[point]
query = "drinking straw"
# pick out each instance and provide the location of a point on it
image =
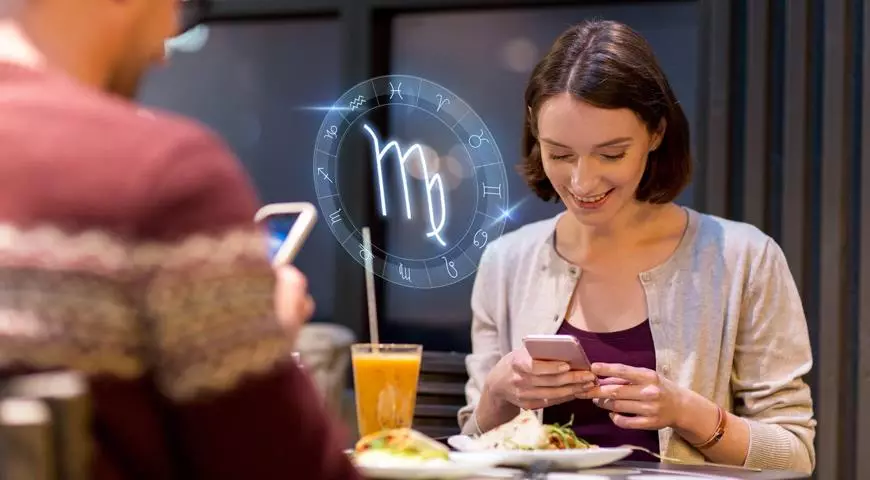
(370, 288)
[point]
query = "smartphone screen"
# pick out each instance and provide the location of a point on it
(287, 226)
(278, 227)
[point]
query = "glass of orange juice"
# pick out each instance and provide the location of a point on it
(385, 382)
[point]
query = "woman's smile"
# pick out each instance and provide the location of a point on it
(590, 202)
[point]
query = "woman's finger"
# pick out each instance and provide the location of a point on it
(546, 367)
(625, 406)
(613, 381)
(540, 393)
(632, 374)
(562, 379)
(545, 402)
(625, 392)
(634, 423)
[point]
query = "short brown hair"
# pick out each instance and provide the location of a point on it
(608, 65)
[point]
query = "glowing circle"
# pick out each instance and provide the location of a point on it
(440, 181)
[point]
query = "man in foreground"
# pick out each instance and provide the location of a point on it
(128, 252)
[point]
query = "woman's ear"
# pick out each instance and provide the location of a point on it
(658, 135)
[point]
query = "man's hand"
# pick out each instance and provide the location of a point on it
(293, 305)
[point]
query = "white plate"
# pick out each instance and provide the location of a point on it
(686, 476)
(574, 459)
(460, 466)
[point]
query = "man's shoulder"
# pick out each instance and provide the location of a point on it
(88, 147)
(91, 123)
(133, 129)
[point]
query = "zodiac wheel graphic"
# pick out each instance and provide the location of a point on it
(441, 179)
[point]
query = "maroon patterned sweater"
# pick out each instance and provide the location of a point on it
(128, 252)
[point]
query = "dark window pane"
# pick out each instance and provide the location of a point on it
(486, 58)
(252, 82)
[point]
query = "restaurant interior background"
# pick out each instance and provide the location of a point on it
(777, 93)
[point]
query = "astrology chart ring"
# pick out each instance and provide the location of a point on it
(456, 257)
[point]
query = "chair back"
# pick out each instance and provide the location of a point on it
(440, 394)
(324, 352)
(45, 427)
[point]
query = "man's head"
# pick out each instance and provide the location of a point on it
(109, 43)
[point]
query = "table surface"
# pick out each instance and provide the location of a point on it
(699, 470)
(649, 471)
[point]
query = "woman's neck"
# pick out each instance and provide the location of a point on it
(632, 226)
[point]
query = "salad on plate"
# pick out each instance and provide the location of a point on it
(526, 440)
(527, 432)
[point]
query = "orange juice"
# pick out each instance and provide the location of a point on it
(385, 383)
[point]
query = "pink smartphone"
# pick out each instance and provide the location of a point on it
(564, 348)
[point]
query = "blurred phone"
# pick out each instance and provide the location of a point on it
(563, 348)
(288, 226)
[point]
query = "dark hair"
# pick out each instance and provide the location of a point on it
(608, 65)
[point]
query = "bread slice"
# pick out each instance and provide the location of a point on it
(527, 432)
(399, 447)
(524, 432)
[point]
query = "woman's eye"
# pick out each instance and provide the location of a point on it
(618, 156)
(560, 157)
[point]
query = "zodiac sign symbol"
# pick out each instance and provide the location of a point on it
(357, 102)
(364, 254)
(405, 272)
(480, 238)
(431, 183)
(451, 268)
(335, 217)
(441, 102)
(331, 132)
(479, 139)
(396, 90)
(487, 190)
(325, 175)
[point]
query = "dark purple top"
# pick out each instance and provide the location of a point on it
(632, 347)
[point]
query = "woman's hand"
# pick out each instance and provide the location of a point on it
(654, 401)
(531, 384)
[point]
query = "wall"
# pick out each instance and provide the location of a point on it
(797, 158)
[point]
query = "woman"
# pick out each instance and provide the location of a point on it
(693, 323)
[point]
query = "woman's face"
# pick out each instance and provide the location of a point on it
(594, 157)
